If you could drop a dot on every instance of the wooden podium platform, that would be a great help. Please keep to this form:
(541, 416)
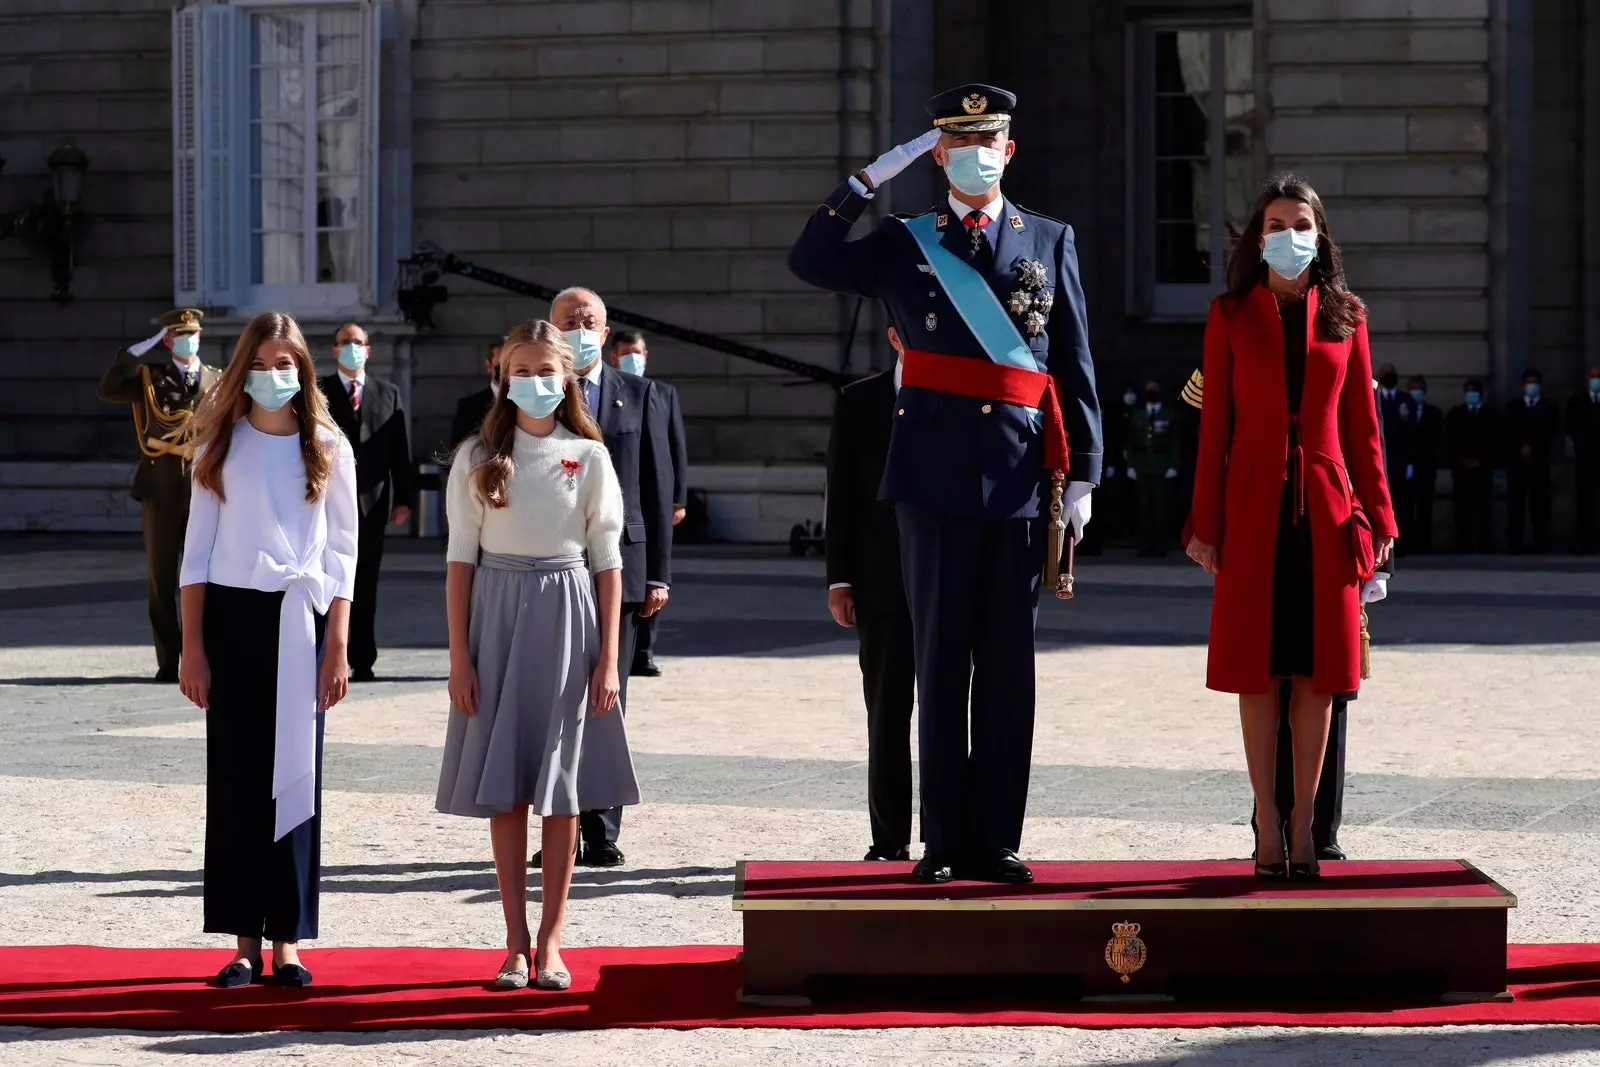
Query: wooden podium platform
(1408, 929)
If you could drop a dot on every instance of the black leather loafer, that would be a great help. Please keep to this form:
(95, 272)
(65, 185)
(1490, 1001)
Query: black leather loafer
(601, 854)
(889, 855)
(999, 866)
(1330, 851)
(292, 975)
(932, 868)
(238, 974)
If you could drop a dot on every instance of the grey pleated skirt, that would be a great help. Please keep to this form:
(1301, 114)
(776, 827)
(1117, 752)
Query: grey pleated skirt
(535, 641)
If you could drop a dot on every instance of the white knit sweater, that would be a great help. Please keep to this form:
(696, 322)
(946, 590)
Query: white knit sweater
(551, 511)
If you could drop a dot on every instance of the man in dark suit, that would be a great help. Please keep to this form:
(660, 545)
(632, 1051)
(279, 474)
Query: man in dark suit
(865, 590)
(1424, 427)
(368, 410)
(1583, 427)
(634, 418)
(997, 405)
(473, 408)
(1530, 437)
(1472, 447)
(627, 352)
(1394, 411)
(163, 381)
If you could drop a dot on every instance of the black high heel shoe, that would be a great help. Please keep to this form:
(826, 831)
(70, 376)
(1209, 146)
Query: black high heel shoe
(1303, 872)
(1273, 872)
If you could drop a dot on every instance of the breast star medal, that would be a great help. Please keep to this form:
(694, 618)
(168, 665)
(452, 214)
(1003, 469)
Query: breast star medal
(1020, 302)
(1125, 953)
(1035, 323)
(1032, 302)
(1030, 272)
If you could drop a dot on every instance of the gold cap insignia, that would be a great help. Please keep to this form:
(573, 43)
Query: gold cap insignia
(187, 318)
(975, 104)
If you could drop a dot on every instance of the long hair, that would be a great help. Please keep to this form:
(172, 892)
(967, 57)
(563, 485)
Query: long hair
(495, 439)
(1339, 311)
(227, 404)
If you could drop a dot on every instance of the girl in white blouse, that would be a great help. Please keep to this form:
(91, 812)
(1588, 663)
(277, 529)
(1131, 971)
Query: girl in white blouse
(268, 569)
(534, 594)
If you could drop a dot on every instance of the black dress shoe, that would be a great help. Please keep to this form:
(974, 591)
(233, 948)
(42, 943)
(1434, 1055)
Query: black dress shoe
(364, 674)
(601, 854)
(645, 667)
(166, 676)
(1330, 851)
(1001, 865)
(891, 855)
(239, 973)
(931, 868)
(292, 975)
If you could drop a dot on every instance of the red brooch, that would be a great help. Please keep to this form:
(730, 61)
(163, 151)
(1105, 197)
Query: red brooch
(571, 467)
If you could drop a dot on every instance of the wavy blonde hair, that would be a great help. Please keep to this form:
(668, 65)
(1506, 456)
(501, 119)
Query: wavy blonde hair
(492, 472)
(227, 404)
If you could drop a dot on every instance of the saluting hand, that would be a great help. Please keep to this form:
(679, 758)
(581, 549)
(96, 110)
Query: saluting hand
(897, 159)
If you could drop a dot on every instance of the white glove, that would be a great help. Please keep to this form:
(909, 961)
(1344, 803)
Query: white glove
(147, 344)
(1075, 506)
(1133, 475)
(898, 159)
(1171, 473)
(1375, 588)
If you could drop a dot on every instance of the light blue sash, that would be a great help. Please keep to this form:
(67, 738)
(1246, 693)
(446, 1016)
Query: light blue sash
(968, 290)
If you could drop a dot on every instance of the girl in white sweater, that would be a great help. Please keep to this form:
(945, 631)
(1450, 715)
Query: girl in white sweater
(535, 526)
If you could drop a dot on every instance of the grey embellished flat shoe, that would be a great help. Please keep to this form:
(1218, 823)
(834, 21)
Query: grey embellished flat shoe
(516, 979)
(553, 980)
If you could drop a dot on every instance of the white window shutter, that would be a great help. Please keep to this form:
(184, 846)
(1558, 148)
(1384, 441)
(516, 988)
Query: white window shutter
(371, 47)
(185, 162)
(222, 63)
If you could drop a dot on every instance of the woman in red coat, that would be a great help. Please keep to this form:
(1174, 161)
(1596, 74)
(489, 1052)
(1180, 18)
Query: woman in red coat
(1290, 475)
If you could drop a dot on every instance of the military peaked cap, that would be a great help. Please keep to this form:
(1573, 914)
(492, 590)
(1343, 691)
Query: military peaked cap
(972, 109)
(182, 320)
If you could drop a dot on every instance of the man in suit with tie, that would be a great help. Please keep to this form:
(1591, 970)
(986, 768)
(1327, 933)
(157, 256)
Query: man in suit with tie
(627, 352)
(1424, 436)
(1394, 412)
(162, 379)
(1583, 428)
(634, 419)
(368, 410)
(1472, 448)
(997, 407)
(473, 408)
(1530, 430)
(865, 590)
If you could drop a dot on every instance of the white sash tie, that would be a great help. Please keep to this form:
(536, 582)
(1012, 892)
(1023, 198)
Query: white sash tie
(306, 588)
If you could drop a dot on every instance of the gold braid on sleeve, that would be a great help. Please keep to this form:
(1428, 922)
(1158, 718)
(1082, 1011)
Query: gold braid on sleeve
(159, 433)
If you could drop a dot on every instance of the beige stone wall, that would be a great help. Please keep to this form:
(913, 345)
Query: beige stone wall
(1384, 105)
(663, 152)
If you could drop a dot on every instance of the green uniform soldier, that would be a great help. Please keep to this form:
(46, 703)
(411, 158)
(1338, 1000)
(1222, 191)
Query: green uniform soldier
(1153, 456)
(163, 380)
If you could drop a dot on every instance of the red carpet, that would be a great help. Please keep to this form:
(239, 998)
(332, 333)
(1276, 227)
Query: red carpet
(679, 987)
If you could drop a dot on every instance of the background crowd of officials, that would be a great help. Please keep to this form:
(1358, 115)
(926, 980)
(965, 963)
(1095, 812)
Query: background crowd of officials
(1467, 454)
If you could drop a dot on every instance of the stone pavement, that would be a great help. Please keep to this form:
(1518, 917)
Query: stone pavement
(1475, 738)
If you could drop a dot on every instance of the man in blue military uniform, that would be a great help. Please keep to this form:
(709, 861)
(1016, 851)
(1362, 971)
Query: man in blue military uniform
(997, 401)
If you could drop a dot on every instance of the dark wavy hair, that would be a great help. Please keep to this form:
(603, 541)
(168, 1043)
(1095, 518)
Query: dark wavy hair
(1339, 311)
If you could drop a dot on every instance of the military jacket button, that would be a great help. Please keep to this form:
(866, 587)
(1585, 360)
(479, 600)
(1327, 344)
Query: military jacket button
(902, 411)
(987, 408)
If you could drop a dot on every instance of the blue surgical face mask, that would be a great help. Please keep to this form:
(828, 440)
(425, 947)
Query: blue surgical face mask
(271, 389)
(1130, 398)
(1474, 398)
(975, 168)
(1289, 252)
(1419, 395)
(585, 347)
(352, 355)
(186, 345)
(631, 363)
(539, 395)
(1531, 390)
(1594, 385)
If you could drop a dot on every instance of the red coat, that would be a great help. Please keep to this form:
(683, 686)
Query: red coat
(1239, 485)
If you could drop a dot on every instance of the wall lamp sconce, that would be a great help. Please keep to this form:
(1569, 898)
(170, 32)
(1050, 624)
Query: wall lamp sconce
(48, 224)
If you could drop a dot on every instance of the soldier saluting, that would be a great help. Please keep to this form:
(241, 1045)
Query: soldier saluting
(996, 382)
(163, 379)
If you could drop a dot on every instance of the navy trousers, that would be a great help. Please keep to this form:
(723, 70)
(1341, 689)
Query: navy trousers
(254, 886)
(596, 827)
(973, 589)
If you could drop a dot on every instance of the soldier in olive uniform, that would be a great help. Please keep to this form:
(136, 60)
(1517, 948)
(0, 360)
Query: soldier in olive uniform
(1153, 459)
(164, 380)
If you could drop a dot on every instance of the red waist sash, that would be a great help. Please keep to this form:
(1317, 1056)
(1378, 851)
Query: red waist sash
(987, 380)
